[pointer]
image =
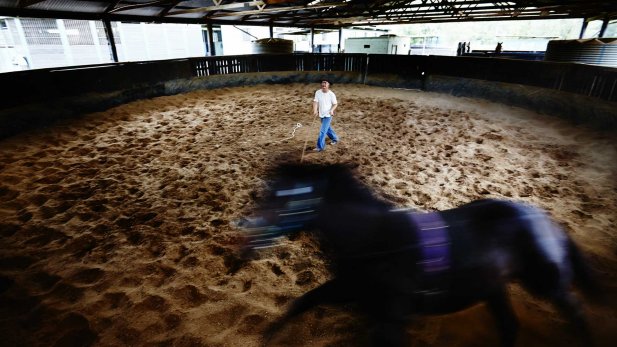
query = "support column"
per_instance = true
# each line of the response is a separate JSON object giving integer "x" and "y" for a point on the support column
{"x": 604, "y": 26}
{"x": 110, "y": 38}
{"x": 144, "y": 33}
{"x": 340, "y": 39}
{"x": 271, "y": 32}
{"x": 312, "y": 40}
{"x": 211, "y": 40}
{"x": 95, "y": 41}
{"x": 583, "y": 28}
{"x": 66, "y": 46}
{"x": 23, "y": 42}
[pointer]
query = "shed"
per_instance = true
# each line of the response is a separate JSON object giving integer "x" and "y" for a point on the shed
{"x": 384, "y": 44}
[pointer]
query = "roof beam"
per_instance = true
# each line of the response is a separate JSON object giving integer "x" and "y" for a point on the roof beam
{"x": 145, "y": 4}
{"x": 169, "y": 8}
{"x": 465, "y": 9}
{"x": 395, "y": 12}
{"x": 258, "y": 11}
{"x": 234, "y": 5}
{"x": 26, "y": 3}
{"x": 112, "y": 5}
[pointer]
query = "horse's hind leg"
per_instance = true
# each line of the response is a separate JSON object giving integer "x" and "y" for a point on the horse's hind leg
{"x": 499, "y": 305}
{"x": 552, "y": 281}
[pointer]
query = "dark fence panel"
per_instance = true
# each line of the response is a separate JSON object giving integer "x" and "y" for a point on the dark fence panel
{"x": 330, "y": 62}
{"x": 405, "y": 65}
{"x": 525, "y": 72}
{"x": 276, "y": 62}
{"x": 207, "y": 66}
{"x": 47, "y": 84}
{"x": 588, "y": 80}
{"x": 36, "y": 97}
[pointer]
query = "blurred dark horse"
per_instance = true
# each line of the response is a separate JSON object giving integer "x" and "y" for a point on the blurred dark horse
{"x": 394, "y": 263}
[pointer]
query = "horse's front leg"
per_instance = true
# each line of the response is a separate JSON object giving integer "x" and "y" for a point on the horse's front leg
{"x": 334, "y": 291}
{"x": 499, "y": 304}
{"x": 567, "y": 302}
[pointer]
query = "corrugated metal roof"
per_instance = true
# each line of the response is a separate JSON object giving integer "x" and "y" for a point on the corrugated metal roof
{"x": 70, "y": 6}
{"x": 309, "y": 13}
{"x": 589, "y": 51}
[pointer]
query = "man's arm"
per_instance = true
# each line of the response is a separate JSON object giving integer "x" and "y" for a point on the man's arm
{"x": 315, "y": 107}
{"x": 334, "y": 106}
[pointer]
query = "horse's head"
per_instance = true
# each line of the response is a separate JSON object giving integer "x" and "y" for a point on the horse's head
{"x": 291, "y": 203}
{"x": 295, "y": 198}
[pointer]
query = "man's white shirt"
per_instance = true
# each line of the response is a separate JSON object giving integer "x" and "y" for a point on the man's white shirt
{"x": 325, "y": 102}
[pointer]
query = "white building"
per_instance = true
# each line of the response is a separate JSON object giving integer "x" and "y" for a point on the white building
{"x": 36, "y": 43}
{"x": 384, "y": 44}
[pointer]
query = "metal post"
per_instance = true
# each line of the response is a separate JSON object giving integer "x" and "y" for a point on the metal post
{"x": 24, "y": 44}
{"x": 340, "y": 38}
{"x": 312, "y": 40}
{"x": 95, "y": 41}
{"x": 144, "y": 32}
{"x": 110, "y": 38}
{"x": 583, "y": 28}
{"x": 271, "y": 32}
{"x": 66, "y": 47}
{"x": 211, "y": 40}
{"x": 365, "y": 74}
{"x": 604, "y": 26}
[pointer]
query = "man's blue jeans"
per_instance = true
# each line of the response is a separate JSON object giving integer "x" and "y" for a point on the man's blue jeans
{"x": 325, "y": 130}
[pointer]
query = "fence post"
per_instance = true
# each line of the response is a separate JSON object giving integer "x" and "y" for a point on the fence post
{"x": 365, "y": 73}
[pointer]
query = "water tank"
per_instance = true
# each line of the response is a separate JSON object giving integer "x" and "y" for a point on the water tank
{"x": 272, "y": 46}
{"x": 601, "y": 51}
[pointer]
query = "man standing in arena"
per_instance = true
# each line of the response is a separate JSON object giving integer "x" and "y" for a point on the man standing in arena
{"x": 324, "y": 105}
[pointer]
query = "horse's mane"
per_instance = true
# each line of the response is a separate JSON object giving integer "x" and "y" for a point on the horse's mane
{"x": 343, "y": 185}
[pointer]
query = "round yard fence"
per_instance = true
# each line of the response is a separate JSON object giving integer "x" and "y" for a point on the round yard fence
{"x": 582, "y": 93}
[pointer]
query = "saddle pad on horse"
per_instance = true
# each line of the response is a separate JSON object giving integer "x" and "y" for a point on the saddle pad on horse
{"x": 433, "y": 242}
{"x": 426, "y": 235}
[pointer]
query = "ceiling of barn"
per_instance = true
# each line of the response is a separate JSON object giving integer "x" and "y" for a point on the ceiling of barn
{"x": 309, "y": 13}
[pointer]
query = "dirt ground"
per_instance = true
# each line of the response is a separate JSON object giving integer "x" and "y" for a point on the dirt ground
{"x": 116, "y": 229}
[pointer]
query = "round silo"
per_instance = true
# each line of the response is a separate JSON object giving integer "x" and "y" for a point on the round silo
{"x": 600, "y": 51}
{"x": 272, "y": 46}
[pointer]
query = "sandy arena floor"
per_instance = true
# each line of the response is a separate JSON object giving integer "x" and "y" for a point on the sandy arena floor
{"x": 116, "y": 228}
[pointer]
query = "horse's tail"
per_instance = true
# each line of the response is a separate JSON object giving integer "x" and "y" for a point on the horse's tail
{"x": 584, "y": 276}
